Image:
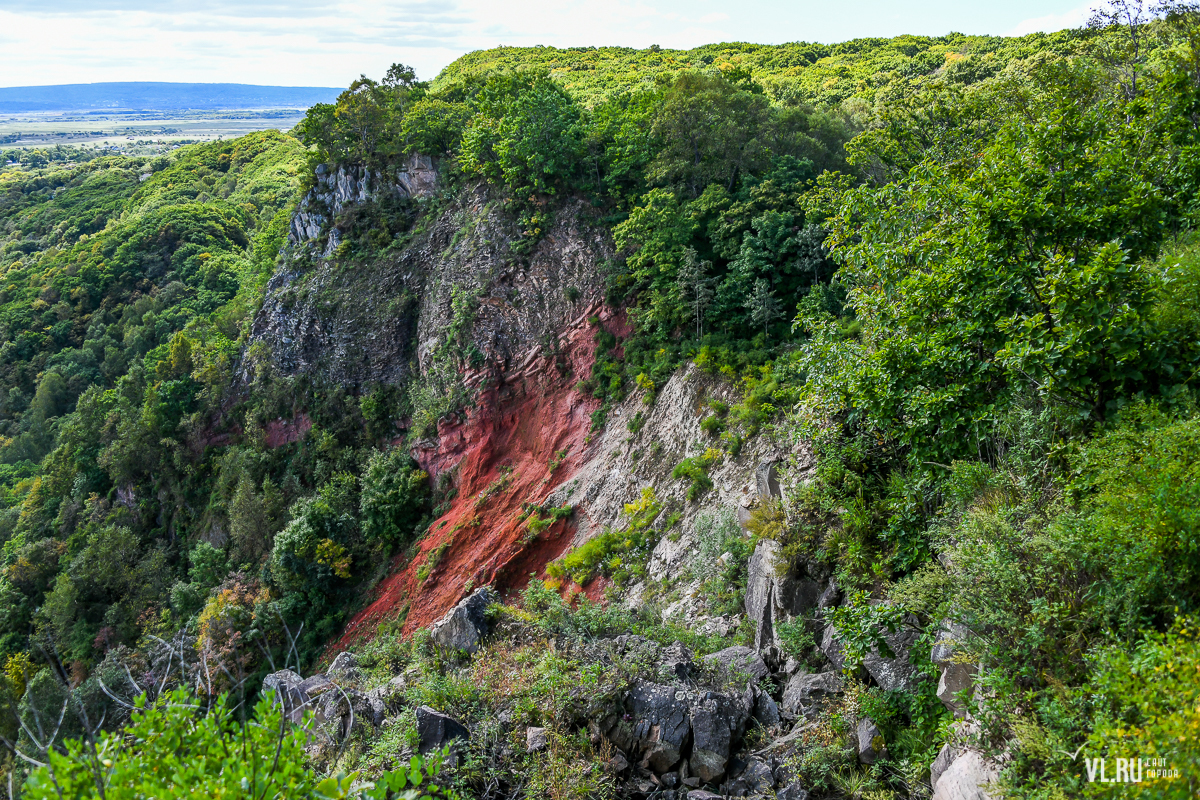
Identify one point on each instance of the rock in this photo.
(955, 679)
(656, 729)
(832, 648)
(793, 791)
(766, 711)
(287, 686)
(465, 625)
(772, 598)
(949, 640)
(804, 692)
(895, 674)
(676, 662)
(760, 589)
(829, 598)
(316, 685)
(738, 663)
(618, 763)
(718, 721)
(945, 758)
(766, 479)
(535, 739)
(344, 668)
(691, 783)
(966, 778)
(701, 794)
(755, 780)
(436, 729)
(870, 741)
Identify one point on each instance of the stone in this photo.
(967, 778)
(832, 648)
(899, 673)
(718, 721)
(948, 641)
(804, 692)
(289, 692)
(755, 780)
(435, 729)
(760, 589)
(766, 480)
(766, 710)
(737, 664)
(656, 729)
(701, 794)
(829, 598)
(344, 668)
(691, 783)
(945, 758)
(955, 679)
(793, 791)
(464, 626)
(870, 741)
(676, 662)
(535, 739)
(618, 763)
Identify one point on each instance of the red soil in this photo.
(502, 452)
(280, 431)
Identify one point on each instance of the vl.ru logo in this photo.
(1128, 770)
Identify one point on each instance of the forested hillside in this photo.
(791, 421)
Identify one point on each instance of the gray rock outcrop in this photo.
(967, 778)
(805, 691)
(436, 729)
(718, 721)
(464, 626)
(870, 741)
(738, 663)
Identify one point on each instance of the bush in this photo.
(395, 497)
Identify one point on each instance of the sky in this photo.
(331, 42)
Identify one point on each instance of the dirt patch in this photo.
(285, 431)
(529, 420)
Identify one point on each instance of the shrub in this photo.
(395, 497)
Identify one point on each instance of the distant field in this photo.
(138, 132)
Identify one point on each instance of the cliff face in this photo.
(527, 323)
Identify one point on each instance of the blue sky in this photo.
(330, 42)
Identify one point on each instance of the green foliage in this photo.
(616, 554)
(171, 751)
(695, 469)
(395, 497)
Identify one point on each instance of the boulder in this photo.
(804, 692)
(967, 778)
(344, 668)
(289, 692)
(793, 791)
(535, 739)
(945, 758)
(465, 625)
(348, 710)
(829, 598)
(737, 664)
(718, 721)
(766, 711)
(436, 729)
(948, 641)
(832, 648)
(955, 679)
(760, 589)
(772, 598)
(899, 673)
(676, 662)
(755, 780)
(656, 729)
(870, 741)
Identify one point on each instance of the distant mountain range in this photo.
(148, 96)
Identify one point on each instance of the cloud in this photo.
(1075, 18)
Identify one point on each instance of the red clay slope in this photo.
(503, 452)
